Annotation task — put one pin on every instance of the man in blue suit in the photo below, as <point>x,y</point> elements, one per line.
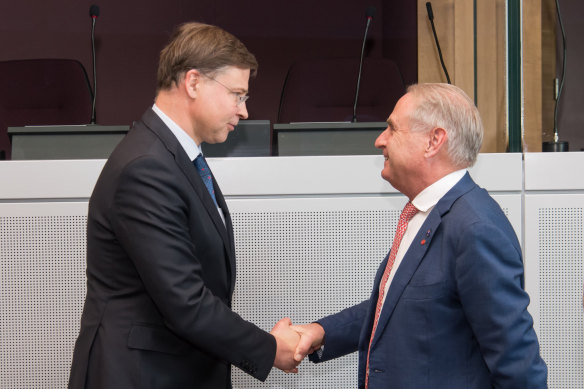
<point>448,308</point>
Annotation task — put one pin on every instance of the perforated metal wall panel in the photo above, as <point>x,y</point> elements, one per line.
<point>306,261</point>
<point>555,278</point>
<point>42,288</point>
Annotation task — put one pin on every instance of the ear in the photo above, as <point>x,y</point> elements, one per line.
<point>191,82</point>
<point>437,138</point>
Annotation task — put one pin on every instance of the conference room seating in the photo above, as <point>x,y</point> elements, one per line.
<point>323,90</point>
<point>4,141</point>
<point>42,92</point>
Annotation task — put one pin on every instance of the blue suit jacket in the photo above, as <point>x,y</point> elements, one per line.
<point>456,313</point>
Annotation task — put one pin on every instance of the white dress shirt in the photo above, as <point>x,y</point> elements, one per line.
<point>188,144</point>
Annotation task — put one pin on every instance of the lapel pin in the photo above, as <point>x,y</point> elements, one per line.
<point>423,241</point>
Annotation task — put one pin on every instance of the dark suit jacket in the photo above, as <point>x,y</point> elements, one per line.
<point>455,314</point>
<point>160,276</point>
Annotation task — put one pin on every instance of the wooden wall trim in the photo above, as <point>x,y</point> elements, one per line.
<point>455,26</point>
<point>532,75</point>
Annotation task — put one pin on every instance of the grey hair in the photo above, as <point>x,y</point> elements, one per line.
<point>449,107</point>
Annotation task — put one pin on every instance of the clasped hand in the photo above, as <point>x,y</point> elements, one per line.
<point>295,342</point>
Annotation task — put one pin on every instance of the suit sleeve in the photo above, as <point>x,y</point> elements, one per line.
<point>489,274</point>
<point>342,331</point>
<point>150,219</point>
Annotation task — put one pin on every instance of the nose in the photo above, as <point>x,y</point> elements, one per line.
<point>381,140</point>
<point>242,111</point>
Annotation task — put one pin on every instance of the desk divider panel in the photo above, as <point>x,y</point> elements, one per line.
<point>554,235</point>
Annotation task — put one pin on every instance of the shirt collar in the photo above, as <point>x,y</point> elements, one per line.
<point>187,143</point>
<point>430,196</point>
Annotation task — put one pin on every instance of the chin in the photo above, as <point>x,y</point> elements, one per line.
<point>220,138</point>
<point>385,176</point>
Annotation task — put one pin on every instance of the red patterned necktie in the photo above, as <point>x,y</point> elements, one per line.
<point>408,212</point>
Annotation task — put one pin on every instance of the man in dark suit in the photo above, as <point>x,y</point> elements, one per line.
<point>448,308</point>
<point>160,247</point>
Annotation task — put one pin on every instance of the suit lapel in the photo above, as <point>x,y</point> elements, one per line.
<point>372,306</point>
<point>186,165</point>
<point>228,226</point>
<point>416,253</point>
<point>152,121</point>
<point>406,270</point>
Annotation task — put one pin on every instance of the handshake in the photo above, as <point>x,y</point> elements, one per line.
<point>295,342</point>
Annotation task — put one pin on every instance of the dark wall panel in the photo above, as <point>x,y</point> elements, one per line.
<point>130,34</point>
<point>570,112</point>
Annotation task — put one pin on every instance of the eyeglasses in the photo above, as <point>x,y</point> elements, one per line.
<point>239,97</point>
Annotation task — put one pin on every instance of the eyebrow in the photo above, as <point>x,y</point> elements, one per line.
<point>391,124</point>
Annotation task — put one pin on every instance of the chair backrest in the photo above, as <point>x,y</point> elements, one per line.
<point>4,141</point>
<point>320,90</point>
<point>43,92</point>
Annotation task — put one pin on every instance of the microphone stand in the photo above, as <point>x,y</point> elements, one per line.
<point>431,18</point>
<point>93,18</point>
<point>360,69</point>
<point>558,145</point>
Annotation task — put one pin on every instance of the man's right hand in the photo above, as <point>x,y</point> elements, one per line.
<point>286,344</point>
<point>311,339</point>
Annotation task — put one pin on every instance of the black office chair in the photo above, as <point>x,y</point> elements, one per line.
<point>323,90</point>
<point>42,92</point>
<point>4,141</point>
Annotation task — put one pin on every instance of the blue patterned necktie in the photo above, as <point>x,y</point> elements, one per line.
<point>205,174</point>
